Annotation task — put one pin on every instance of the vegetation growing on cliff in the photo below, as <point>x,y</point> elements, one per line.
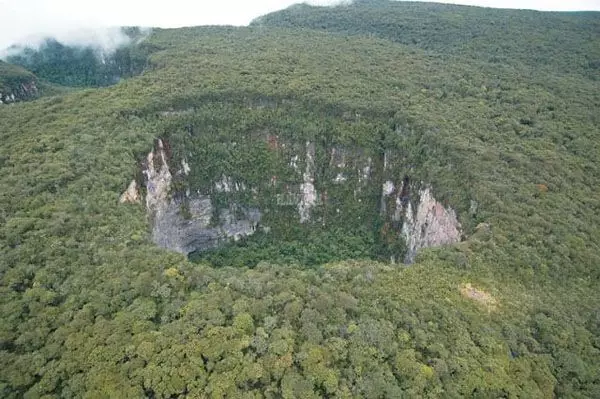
<point>90,307</point>
<point>14,81</point>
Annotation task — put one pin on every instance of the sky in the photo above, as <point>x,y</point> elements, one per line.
<point>86,22</point>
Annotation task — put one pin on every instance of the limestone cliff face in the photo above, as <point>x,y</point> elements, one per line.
<point>429,225</point>
<point>337,187</point>
<point>423,221</point>
<point>158,180</point>
<point>192,222</point>
<point>308,194</point>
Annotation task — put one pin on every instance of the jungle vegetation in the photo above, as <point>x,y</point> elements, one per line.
<point>82,65</point>
<point>11,75</point>
<point>90,307</point>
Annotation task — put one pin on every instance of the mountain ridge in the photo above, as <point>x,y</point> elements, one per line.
<point>467,31</point>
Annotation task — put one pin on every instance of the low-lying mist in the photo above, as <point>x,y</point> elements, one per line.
<point>84,59</point>
<point>102,40</point>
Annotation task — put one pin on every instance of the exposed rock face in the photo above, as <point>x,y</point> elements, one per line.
<point>422,220</point>
<point>20,92</point>
<point>131,195</point>
<point>158,180</point>
<point>193,229</point>
<point>191,223</point>
<point>430,225</point>
<point>308,193</point>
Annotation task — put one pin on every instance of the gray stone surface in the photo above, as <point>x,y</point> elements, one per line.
<point>189,224</point>
<point>194,230</point>
<point>430,224</point>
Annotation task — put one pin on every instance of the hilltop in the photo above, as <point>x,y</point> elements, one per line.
<point>308,136</point>
<point>551,41</point>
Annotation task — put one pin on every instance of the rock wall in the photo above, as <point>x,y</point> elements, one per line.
<point>333,188</point>
<point>192,222</point>
<point>308,193</point>
<point>429,224</point>
<point>423,221</point>
<point>131,195</point>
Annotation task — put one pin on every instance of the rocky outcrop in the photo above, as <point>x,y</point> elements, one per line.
<point>422,220</point>
<point>158,180</point>
<point>22,91</point>
<point>429,224</point>
<point>308,193</point>
<point>17,84</point>
<point>189,227</point>
<point>131,195</point>
<point>191,222</point>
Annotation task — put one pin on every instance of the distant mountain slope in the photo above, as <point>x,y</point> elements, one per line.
<point>569,42</point>
<point>83,65</point>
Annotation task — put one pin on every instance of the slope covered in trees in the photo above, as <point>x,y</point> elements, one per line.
<point>11,76</point>
<point>83,65</point>
<point>91,308</point>
<point>567,42</point>
<point>17,84</point>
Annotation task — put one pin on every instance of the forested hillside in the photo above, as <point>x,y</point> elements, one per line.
<point>91,307</point>
<point>565,42</point>
<point>17,84</point>
<point>83,65</point>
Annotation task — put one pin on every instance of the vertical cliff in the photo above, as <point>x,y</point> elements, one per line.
<point>186,222</point>
<point>308,193</point>
<point>422,221</point>
<point>428,224</point>
<point>316,186</point>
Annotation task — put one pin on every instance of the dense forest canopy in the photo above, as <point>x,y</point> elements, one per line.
<point>500,118</point>
<point>82,65</point>
<point>565,42</point>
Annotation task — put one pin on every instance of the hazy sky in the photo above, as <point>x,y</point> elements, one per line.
<point>21,19</point>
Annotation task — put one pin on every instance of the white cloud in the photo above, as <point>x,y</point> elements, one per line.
<point>22,20</point>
